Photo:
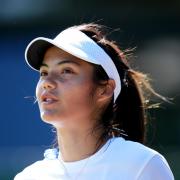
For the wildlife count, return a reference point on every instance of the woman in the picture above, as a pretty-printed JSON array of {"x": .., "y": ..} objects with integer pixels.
[{"x": 97, "y": 104}]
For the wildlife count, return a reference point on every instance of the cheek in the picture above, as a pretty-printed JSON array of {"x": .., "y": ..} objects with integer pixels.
[
  {"x": 80, "y": 94},
  {"x": 37, "y": 91}
]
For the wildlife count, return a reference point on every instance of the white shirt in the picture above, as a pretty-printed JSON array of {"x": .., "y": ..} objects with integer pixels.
[{"x": 118, "y": 159}]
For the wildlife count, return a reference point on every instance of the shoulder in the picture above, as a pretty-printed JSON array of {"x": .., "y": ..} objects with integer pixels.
[
  {"x": 132, "y": 154},
  {"x": 157, "y": 167},
  {"x": 144, "y": 162},
  {"x": 31, "y": 170},
  {"x": 131, "y": 149},
  {"x": 40, "y": 168}
]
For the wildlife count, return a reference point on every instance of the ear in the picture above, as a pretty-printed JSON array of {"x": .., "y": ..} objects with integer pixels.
[{"x": 106, "y": 92}]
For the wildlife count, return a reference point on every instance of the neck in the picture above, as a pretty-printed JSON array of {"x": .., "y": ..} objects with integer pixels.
[{"x": 77, "y": 144}]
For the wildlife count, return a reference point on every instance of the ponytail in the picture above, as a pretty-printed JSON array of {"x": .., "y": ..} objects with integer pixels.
[
  {"x": 129, "y": 110},
  {"x": 127, "y": 117}
]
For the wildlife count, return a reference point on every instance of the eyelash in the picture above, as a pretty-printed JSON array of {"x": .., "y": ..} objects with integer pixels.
[
  {"x": 64, "y": 71},
  {"x": 67, "y": 71},
  {"x": 43, "y": 73}
]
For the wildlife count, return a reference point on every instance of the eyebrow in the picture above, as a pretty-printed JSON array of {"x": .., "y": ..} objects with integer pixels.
[{"x": 62, "y": 62}]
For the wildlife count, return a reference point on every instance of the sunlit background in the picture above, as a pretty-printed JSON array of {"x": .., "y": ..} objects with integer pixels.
[{"x": 153, "y": 27}]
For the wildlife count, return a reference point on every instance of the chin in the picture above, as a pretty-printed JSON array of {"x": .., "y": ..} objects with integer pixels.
[
  {"x": 48, "y": 117},
  {"x": 53, "y": 119}
]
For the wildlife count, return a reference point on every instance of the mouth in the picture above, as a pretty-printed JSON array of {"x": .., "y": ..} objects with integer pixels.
[{"x": 48, "y": 99}]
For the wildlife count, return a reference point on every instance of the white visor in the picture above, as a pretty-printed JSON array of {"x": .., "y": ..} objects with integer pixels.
[{"x": 79, "y": 45}]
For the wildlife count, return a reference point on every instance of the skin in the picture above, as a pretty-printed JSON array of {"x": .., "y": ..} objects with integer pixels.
[{"x": 63, "y": 95}]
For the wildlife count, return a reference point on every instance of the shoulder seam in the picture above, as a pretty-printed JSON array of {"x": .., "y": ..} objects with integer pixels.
[{"x": 145, "y": 164}]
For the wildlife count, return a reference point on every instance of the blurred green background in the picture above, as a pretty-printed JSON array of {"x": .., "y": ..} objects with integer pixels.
[{"x": 153, "y": 27}]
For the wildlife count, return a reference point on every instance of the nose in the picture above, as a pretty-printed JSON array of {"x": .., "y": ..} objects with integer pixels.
[{"x": 48, "y": 84}]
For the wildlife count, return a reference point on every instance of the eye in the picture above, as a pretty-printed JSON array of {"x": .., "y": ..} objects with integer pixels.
[
  {"x": 67, "y": 71},
  {"x": 43, "y": 73}
]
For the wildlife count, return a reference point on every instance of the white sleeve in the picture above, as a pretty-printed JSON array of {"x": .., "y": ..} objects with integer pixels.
[
  {"x": 24, "y": 176},
  {"x": 157, "y": 169}
]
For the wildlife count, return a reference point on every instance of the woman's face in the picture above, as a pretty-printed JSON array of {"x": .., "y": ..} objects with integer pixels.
[{"x": 64, "y": 88}]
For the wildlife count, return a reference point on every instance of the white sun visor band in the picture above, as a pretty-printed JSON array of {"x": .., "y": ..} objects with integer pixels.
[{"x": 79, "y": 45}]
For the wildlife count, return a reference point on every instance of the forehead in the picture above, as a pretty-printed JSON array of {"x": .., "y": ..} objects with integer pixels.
[{"x": 55, "y": 58}]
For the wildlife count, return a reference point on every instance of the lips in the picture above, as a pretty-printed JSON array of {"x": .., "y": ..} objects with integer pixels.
[{"x": 47, "y": 99}]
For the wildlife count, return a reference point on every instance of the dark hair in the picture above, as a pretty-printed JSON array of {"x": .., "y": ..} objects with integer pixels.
[{"x": 127, "y": 116}]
